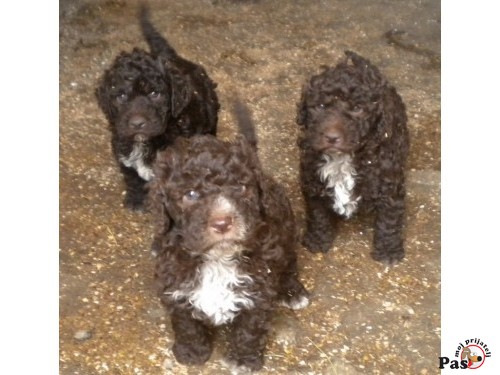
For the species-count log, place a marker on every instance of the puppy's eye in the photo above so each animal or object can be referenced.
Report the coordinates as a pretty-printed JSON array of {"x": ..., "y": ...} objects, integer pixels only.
[
  {"x": 242, "y": 189},
  {"x": 357, "y": 109},
  {"x": 122, "y": 98},
  {"x": 191, "y": 196},
  {"x": 320, "y": 107},
  {"x": 154, "y": 95}
]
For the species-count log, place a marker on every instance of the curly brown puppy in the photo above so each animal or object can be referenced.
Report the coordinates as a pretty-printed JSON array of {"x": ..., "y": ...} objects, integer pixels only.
[
  {"x": 225, "y": 242},
  {"x": 353, "y": 151},
  {"x": 149, "y": 99}
]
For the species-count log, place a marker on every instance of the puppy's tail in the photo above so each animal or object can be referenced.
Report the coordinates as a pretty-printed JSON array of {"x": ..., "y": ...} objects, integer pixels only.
[
  {"x": 244, "y": 121},
  {"x": 157, "y": 43}
]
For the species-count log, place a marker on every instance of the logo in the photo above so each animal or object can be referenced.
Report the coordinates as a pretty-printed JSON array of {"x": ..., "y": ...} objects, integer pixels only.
[{"x": 472, "y": 355}]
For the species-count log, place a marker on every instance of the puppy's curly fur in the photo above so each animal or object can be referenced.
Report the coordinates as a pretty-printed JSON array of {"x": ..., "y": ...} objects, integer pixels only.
[
  {"x": 225, "y": 240},
  {"x": 354, "y": 147},
  {"x": 149, "y": 99}
]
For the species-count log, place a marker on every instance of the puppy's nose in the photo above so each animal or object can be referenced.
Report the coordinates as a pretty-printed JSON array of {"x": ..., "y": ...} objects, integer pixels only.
[
  {"x": 137, "y": 122},
  {"x": 221, "y": 224},
  {"x": 333, "y": 137}
]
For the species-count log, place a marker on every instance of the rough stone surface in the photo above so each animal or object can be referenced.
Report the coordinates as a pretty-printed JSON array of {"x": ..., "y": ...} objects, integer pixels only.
[{"x": 363, "y": 318}]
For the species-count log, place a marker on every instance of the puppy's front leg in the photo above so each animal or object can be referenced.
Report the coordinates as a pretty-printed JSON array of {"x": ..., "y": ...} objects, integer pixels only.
[
  {"x": 320, "y": 224},
  {"x": 135, "y": 189},
  {"x": 193, "y": 341},
  {"x": 248, "y": 339}
]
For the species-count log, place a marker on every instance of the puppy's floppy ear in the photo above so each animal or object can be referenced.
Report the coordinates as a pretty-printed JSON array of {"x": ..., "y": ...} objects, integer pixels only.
[
  {"x": 157, "y": 198},
  {"x": 181, "y": 90},
  {"x": 163, "y": 166},
  {"x": 104, "y": 100},
  {"x": 301, "y": 118}
]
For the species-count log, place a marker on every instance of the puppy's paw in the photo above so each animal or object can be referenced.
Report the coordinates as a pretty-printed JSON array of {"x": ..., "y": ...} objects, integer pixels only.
[
  {"x": 315, "y": 243},
  {"x": 191, "y": 354},
  {"x": 241, "y": 367},
  {"x": 296, "y": 303},
  {"x": 293, "y": 295},
  {"x": 134, "y": 203},
  {"x": 389, "y": 258}
]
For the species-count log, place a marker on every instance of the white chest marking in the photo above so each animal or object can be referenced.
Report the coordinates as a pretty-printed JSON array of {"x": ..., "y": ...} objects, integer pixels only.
[
  {"x": 338, "y": 175},
  {"x": 214, "y": 294},
  {"x": 136, "y": 160}
]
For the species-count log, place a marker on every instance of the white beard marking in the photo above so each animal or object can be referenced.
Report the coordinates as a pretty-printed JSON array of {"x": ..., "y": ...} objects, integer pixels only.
[
  {"x": 338, "y": 175},
  {"x": 136, "y": 160},
  {"x": 213, "y": 294}
]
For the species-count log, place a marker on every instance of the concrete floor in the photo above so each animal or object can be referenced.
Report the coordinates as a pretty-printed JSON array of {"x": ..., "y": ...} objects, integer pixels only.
[{"x": 364, "y": 318}]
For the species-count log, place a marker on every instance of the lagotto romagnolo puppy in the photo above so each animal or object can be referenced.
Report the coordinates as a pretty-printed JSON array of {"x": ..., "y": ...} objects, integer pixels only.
[
  {"x": 149, "y": 99},
  {"x": 225, "y": 243},
  {"x": 354, "y": 146}
]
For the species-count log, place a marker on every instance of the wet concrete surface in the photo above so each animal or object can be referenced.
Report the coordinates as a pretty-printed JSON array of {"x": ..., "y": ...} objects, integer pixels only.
[{"x": 363, "y": 318}]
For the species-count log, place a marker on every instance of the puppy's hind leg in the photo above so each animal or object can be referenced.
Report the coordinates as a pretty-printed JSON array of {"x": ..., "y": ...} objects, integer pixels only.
[{"x": 388, "y": 238}]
